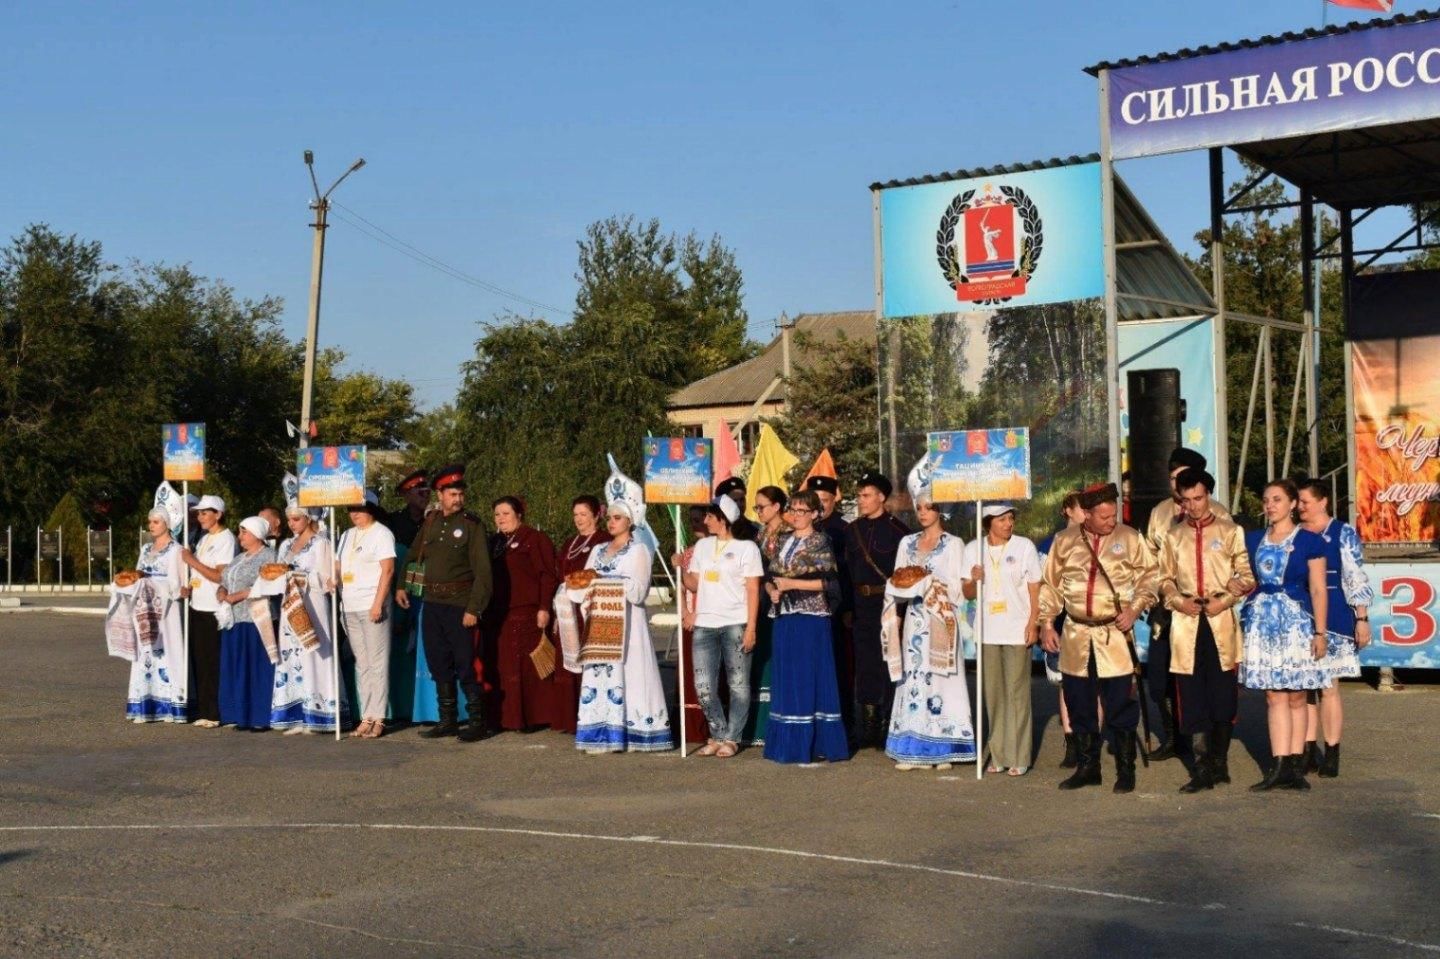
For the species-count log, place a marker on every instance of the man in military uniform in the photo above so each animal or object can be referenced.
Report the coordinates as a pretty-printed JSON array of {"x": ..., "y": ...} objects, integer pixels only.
[
  {"x": 1102, "y": 576},
  {"x": 405, "y": 523},
  {"x": 452, "y": 546},
  {"x": 734, "y": 487},
  {"x": 1163, "y": 518},
  {"x": 833, "y": 525},
  {"x": 871, "y": 545},
  {"x": 1203, "y": 565}
]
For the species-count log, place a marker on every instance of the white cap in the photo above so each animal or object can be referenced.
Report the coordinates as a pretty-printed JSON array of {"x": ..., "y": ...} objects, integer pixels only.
[
  {"x": 256, "y": 527},
  {"x": 728, "y": 506},
  {"x": 211, "y": 502},
  {"x": 997, "y": 509}
]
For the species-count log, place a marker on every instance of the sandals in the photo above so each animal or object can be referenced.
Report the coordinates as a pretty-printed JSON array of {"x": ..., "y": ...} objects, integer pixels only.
[
  {"x": 369, "y": 729},
  {"x": 726, "y": 750},
  {"x": 1018, "y": 770},
  {"x": 709, "y": 749}
]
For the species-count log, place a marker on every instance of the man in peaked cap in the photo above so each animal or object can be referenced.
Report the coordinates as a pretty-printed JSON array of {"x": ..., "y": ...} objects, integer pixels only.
[
  {"x": 1161, "y": 682},
  {"x": 414, "y": 489},
  {"x": 827, "y": 490},
  {"x": 1102, "y": 576},
  {"x": 871, "y": 545},
  {"x": 453, "y": 550}
]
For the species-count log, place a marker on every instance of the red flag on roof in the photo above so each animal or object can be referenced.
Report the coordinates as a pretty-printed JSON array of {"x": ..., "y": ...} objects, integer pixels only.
[{"x": 1384, "y": 6}]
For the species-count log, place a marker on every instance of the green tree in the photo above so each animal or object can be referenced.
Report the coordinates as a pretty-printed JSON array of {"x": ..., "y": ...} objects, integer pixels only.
[{"x": 830, "y": 401}]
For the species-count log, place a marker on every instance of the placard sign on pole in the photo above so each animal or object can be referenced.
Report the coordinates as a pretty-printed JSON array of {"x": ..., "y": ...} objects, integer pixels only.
[
  {"x": 331, "y": 476},
  {"x": 678, "y": 471},
  {"x": 7, "y": 551},
  {"x": 47, "y": 546},
  {"x": 183, "y": 451},
  {"x": 980, "y": 466}
]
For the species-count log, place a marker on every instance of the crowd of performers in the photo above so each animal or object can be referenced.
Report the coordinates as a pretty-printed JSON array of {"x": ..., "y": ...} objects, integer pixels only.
[{"x": 806, "y": 633}]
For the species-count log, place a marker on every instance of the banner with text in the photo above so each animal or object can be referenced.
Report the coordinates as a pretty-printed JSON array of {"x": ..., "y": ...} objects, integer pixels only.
[
  {"x": 184, "y": 451},
  {"x": 989, "y": 465},
  {"x": 1404, "y": 616},
  {"x": 1343, "y": 81},
  {"x": 1013, "y": 239},
  {"x": 331, "y": 475},
  {"x": 678, "y": 469},
  {"x": 1395, "y": 350}
]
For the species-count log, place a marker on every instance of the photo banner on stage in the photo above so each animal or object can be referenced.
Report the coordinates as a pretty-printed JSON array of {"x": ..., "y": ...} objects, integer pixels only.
[
  {"x": 1405, "y": 617},
  {"x": 989, "y": 465},
  {"x": 1013, "y": 239},
  {"x": 678, "y": 469},
  {"x": 184, "y": 451},
  {"x": 1268, "y": 91},
  {"x": 331, "y": 475},
  {"x": 1395, "y": 351}
]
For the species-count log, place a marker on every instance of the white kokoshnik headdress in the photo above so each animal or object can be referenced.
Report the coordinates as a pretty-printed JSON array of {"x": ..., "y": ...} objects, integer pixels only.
[{"x": 621, "y": 489}]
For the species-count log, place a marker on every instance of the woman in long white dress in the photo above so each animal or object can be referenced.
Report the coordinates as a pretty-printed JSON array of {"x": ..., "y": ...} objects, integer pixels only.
[
  {"x": 622, "y": 705},
  {"x": 930, "y": 724},
  {"x": 306, "y": 696},
  {"x": 158, "y": 677}
]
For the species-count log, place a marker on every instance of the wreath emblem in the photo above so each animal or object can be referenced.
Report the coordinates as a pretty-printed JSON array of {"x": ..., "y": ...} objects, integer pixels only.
[{"x": 989, "y": 243}]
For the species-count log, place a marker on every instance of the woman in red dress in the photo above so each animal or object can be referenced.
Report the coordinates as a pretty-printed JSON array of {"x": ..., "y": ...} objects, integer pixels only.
[
  {"x": 517, "y": 621},
  {"x": 590, "y": 534}
]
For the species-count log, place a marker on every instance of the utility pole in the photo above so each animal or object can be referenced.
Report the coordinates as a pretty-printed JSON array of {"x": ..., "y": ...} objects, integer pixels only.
[{"x": 321, "y": 206}]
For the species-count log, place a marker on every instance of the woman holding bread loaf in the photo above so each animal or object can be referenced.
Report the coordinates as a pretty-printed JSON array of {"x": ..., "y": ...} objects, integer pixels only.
[
  {"x": 247, "y": 674},
  {"x": 157, "y": 676},
  {"x": 930, "y": 725},
  {"x": 306, "y": 699}
]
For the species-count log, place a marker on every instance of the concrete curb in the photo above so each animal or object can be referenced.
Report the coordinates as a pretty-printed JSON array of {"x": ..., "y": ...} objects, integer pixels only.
[{"x": 76, "y": 610}]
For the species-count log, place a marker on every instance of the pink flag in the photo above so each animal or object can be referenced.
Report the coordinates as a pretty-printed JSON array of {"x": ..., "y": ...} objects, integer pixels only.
[
  {"x": 727, "y": 454},
  {"x": 1384, "y": 6}
]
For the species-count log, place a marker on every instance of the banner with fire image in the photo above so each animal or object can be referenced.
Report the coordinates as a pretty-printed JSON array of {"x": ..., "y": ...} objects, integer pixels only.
[{"x": 1395, "y": 343}]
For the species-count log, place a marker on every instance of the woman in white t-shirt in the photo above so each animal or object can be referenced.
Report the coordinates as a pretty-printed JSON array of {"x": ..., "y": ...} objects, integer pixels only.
[
  {"x": 365, "y": 566},
  {"x": 214, "y": 550},
  {"x": 1005, "y": 573},
  {"x": 724, "y": 574}
]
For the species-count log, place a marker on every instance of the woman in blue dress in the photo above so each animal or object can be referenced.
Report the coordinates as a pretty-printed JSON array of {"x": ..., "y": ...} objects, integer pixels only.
[
  {"x": 1347, "y": 621},
  {"x": 804, "y": 588},
  {"x": 1284, "y": 630},
  {"x": 247, "y": 676}
]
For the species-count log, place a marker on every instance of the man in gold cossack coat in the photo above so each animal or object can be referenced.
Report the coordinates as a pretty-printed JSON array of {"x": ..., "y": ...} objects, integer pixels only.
[{"x": 1101, "y": 574}]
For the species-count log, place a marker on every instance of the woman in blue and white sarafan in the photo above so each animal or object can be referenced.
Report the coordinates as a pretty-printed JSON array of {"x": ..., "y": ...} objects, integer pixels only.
[
  {"x": 158, "y": 676},
  {"x": 930, "y": 724},
  {"x": 306, "y": 697},
  {"x": 1284, "y": 629},
  {"x": 622, "y": 705},
  {"x": 1347, "y": 615}
]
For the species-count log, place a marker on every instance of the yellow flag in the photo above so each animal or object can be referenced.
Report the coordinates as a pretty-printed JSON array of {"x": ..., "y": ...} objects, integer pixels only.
[{"x": 772, "y": 462}]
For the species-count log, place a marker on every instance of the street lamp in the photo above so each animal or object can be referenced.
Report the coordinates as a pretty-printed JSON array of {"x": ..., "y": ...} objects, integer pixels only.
[{"x": 321, "y": 206}]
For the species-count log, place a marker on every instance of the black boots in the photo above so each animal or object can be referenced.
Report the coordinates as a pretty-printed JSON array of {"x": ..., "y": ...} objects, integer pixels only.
[
  {"x": 449, "y": 713},
  {"x": 1287, "y": 773},
  {"x": 1330, "y": 765},
  {"x": 1314, "y": 756},
  {"x": 1167, "y": 733},
  {"x": 870, "y": 727},
  {"x": 1202, "y": 775},
  {"x": 1072, "y": 752},
  {"x": 1087, "y": 762},
  {"x": 1126, "y": 745},
  {"x": 1220, "y": 752},
  {"x": 476, "y": 729}
]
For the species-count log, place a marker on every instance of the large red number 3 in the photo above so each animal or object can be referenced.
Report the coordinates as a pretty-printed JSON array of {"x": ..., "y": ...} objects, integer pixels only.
[{"x": 1422, "y": 594}]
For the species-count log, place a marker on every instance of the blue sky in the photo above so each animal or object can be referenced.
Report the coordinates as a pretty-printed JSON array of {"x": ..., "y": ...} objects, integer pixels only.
[{"x": 495, "y": 133}]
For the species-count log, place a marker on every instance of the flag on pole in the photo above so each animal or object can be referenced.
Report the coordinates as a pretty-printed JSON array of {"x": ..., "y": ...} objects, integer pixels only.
[
  {"x": 727, "y": 454},
  {"x": 824, "y": 466},
  {"x": 1384, "y": 6},
  {"x": 772, "y": 462}
]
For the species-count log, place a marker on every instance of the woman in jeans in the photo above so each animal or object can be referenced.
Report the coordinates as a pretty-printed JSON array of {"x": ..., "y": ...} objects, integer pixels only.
[
  {"x": 365, "y": 566},
  {"x": 724, "y": 574}
]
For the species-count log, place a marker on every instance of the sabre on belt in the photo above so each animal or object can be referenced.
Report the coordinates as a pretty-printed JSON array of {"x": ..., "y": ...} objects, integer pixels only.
[{"x": 1144, "y": 697}]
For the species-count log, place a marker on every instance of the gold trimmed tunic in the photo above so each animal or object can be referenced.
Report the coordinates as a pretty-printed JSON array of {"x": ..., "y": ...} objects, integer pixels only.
[
  {"x": 1072, "y": 584},
  {"x": 1167, "y": 515},
  {"x": 1200, "y": 559}
]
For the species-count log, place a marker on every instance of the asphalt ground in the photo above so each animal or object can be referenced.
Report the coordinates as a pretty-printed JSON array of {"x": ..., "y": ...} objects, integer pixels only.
[{"x": 157, "y": 840}]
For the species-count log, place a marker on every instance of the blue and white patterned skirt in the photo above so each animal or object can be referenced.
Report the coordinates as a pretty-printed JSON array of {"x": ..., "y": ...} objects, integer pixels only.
[{"x": 1276, "y": 652}]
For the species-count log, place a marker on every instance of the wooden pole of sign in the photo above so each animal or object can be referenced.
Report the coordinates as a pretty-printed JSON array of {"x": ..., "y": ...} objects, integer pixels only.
[
  {"x": 335, "y": 634},
  {"x": 185, "y": 602},
  {"x": 980, "y": 648},
  {"x": 680, "y": 626}
]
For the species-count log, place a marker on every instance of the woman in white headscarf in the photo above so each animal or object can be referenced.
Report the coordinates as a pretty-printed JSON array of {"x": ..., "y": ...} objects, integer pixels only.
[
  {"x": 158, "y": 678},
  {"x": 247, "y": 675},
  {"x": 306, "y": 698},
  {"x": 622, "y": 704},
  {"x": 930, "y": 725}
]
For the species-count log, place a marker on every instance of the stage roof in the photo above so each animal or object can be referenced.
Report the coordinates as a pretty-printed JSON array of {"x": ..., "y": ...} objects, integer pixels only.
[{"x": 1367, "y": 166}]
